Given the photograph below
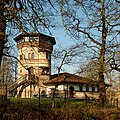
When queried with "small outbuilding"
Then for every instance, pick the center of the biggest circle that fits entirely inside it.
(73, 86)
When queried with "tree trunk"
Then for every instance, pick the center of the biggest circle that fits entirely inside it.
(2, 30)
(102, 91)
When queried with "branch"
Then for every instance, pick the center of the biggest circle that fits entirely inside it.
(117, 1)
(114, 67)
(113, 64)
(32, 7)
(91, 38)
(16, 59)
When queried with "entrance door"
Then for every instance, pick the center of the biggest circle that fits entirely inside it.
(71, 88)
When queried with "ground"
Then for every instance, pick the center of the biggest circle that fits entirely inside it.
(29, 109)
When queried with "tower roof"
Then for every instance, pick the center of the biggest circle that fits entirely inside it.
(19, 37)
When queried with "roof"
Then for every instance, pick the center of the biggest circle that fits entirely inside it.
(69, 78)
(17, 38)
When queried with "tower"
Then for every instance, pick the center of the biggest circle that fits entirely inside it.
(34, 55)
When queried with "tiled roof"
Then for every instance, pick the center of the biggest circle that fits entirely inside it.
(69, 78)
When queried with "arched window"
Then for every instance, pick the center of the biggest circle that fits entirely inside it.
(31, 70)
(48, 56)
(43, 92)
(29, 55)
(32, 56)
(22, 56)
(20, 71)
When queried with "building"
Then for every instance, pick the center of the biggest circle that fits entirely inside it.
(34, 72)
(73, 86)
(34, 66)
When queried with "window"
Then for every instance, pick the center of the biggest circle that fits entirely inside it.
(31, 70)
(40, 69)
(87, 88)
(26, 39)
(48, 56)
(80, 87)
(93, 89)
(84, 87)
(90, 88)
(0, 82)
(43, 92)
(22, 56)
(32, 55)
(20, 71)
(45, 71)
(96, 89)
(29, 55)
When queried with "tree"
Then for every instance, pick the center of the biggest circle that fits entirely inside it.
(63, 57)
(98, 23)
(68, 56)
(23, 16)
(89, 70)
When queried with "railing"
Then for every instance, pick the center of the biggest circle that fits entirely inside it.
(22, 80)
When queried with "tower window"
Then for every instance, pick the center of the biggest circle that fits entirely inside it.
(20, 71)
(0, 82)
(22, 56)
(31, 70)
(48, 56)
(29, 56)
(32, 55)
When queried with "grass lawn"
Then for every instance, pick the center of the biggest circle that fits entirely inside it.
(29, 109)
(46, 101)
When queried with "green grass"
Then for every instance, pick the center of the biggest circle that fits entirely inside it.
(29, 109)
(46, 102)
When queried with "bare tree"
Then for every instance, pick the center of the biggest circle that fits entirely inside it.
(23, 16)
(97, 22)
(89, 70)
(67, 56)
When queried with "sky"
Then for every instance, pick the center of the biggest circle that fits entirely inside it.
(63, 39)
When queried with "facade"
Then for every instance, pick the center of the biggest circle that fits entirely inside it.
(34, 54)
(73, 86)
